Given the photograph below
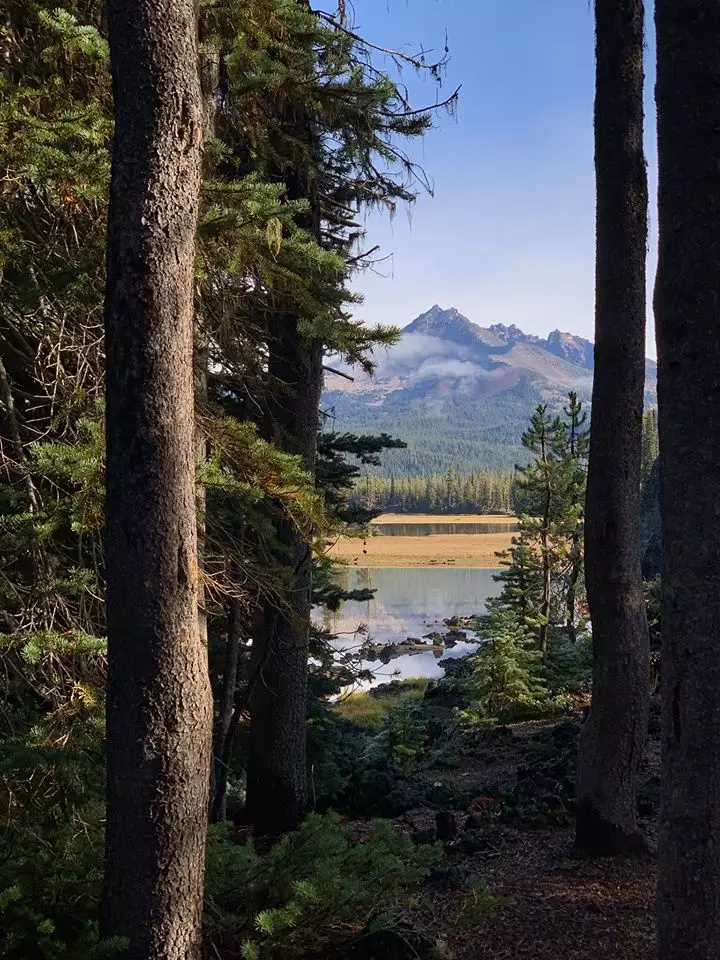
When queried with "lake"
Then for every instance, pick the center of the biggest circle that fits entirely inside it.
(439, 529)
(410, 602)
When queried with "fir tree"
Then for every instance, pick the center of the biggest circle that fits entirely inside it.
(541, 488)
(506, 671)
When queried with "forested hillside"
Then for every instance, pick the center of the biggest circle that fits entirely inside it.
(458, 393)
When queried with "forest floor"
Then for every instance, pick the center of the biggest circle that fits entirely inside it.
(509, 885)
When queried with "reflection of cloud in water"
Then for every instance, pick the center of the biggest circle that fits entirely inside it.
(409, 602)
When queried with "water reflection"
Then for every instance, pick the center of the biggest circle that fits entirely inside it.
(410, 602)
(441, 529)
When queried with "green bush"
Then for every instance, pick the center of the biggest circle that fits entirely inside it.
(50, 878)
(317, 886)
(568, 666)
(367, 709)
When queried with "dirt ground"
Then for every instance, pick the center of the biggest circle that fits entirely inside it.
(543, 905)
(525, 896)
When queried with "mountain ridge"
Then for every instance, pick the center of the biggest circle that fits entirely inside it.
(461, 394)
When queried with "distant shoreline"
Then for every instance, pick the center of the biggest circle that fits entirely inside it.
(442, 518)
(443, 550)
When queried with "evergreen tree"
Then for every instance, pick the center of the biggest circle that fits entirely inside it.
(650, 446)
(540, 489)
(158, 694)
(506, 671)
(686, 296)
(576, 446)
(613, 737)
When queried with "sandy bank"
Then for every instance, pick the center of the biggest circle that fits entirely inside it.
(451, 550)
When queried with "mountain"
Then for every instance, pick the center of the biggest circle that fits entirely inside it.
(461, 394)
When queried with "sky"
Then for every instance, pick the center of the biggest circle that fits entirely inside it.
(508, 236)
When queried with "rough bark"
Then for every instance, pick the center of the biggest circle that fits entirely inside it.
(687, 294)
(159, 710)
(613, 737)
(277, 765)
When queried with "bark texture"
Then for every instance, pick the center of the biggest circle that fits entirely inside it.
(613, 738)
(687, 295)
(277, 765)
(159, 710)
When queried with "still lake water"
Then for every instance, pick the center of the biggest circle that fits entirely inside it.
(425, 529)
(410, 602)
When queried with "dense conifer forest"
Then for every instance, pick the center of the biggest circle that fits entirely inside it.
(191, 764)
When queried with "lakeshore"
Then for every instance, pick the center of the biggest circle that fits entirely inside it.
(433, 550)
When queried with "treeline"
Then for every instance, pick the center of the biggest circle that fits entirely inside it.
(449, 492)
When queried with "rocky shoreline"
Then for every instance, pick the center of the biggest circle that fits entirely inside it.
(434, 642)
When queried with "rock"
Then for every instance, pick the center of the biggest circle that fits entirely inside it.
(454, 635)
(474, 822)
(428, 835)
(446, 825)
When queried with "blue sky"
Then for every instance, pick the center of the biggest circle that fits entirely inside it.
(509, 235)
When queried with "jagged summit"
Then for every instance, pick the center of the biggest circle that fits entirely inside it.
(450, 324)
(462, 393)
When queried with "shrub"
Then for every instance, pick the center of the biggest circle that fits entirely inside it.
(367, 708)
(317, 886)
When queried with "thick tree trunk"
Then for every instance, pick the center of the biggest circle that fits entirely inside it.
(277, 766)
(613, 738)
(159, 710)
(687, 295)
(277, 784)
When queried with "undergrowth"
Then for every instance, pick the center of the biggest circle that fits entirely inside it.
(367, 709)
(317, 887)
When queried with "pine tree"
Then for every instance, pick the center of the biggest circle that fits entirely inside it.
(540, 489)
(330, 119)
(506, 672)
(158, 694)
(576, 446)
(686, 297)
(650, 446)
(613, 737)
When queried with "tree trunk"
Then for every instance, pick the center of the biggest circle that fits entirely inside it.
(277, 766)
(277, 784)
(545, 551)
(570, 602)
(224, 726)
(159, 710)
(613, 738)
(687, 294)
